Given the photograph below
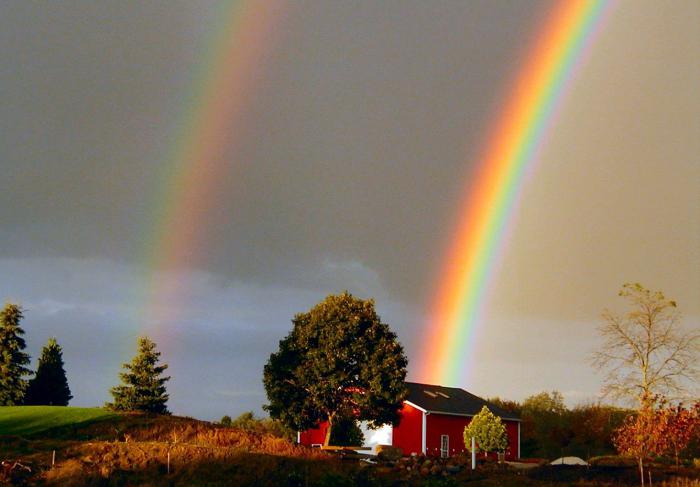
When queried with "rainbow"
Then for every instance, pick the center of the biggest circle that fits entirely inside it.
(490, 204)
(212, 122)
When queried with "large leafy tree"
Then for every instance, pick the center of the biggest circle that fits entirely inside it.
(488, 430)
(544, 429)
(13, 360)
(50, 385)
(645, 351)
(338, 362)
(143, 385)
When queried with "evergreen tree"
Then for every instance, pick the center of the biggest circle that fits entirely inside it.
(49, 386)
(143, 387)
(12, 359)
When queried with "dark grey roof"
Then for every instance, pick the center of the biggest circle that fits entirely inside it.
(451, 400)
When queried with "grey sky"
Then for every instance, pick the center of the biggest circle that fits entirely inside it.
(360, 135)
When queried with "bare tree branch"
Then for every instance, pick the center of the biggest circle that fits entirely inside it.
(644, 350)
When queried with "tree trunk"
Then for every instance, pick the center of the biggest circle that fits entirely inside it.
(641, 470)
(327, 439)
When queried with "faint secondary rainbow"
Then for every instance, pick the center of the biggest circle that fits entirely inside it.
(490, 202)
(212, 123)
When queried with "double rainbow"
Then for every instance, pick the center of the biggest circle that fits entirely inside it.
(491, 201)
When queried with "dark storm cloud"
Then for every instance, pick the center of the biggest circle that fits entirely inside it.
(355, 149)
(358, 144)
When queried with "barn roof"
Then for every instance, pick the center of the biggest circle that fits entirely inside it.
(451, 400)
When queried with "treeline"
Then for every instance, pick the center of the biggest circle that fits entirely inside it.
(549, 429)
(247, 421)
(142, 385)
(48, 386)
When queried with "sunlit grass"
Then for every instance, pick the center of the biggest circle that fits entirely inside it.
(28, 420)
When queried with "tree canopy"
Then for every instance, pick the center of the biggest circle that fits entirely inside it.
(488, 430)
(338, 362)
(50, 385)
(13, 360)
(645, 351)
(143, 386)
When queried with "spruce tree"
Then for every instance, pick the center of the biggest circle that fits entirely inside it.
(143, 387)
(12, 359)
(49, 386)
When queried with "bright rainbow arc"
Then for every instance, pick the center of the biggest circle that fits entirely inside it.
(212, 122)
(491, 202)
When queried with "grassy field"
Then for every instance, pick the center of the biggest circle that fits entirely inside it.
(95, 447)
(29, 420)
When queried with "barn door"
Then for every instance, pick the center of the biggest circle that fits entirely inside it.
(444, 446)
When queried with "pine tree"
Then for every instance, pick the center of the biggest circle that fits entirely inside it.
(12, 358)
(143, 388)
(49, 386)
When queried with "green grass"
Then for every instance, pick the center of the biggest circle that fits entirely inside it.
(29, 420)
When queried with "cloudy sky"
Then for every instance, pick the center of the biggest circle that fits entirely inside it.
(358, 137)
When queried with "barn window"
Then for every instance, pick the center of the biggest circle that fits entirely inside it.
(444, 446)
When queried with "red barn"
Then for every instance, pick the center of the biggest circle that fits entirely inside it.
(432, 423)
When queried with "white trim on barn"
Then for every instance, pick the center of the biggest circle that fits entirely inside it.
(415, 406)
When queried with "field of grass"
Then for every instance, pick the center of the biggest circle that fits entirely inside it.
(92, 446)
(30, 420)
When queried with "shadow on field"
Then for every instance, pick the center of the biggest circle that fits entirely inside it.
(244, 469)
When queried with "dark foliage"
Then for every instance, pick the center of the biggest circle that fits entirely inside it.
(339, 361)
(550, 429)
(346, 432)
(249, 422)
(50, 385)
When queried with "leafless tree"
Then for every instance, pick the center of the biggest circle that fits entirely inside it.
(645, 351)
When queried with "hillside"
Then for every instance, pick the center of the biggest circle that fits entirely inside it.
(93, 445)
